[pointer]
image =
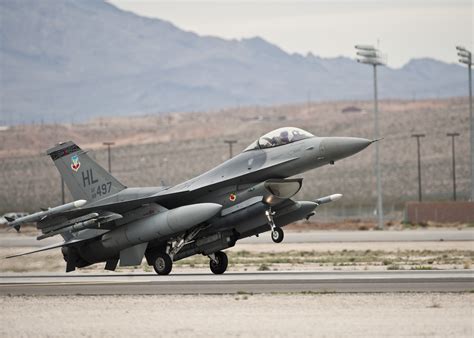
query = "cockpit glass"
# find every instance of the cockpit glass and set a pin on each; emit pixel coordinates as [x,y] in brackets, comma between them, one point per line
[279,137]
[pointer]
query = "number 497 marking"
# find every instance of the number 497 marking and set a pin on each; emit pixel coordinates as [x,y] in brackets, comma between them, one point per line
[104,188]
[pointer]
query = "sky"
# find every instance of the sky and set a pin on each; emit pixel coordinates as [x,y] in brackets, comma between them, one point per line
[402,29]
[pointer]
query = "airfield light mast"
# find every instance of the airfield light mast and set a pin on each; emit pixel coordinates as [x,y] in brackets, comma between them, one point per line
[370,55]
[230,143]
[453,135]
[63,199]
[108,144]
[418,136]
[465,57]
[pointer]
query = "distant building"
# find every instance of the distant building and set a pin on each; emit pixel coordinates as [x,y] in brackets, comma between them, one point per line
[351,109]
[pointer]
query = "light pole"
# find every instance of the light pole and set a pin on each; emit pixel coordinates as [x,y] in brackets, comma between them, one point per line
[418,136]
[230,143]
[108,144]
[371,56]
[62,191]
[453,135]
[465,57]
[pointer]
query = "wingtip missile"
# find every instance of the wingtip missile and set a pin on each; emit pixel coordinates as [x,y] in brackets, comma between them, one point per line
[79,203]
[327,199]
[16,223]
[335,197]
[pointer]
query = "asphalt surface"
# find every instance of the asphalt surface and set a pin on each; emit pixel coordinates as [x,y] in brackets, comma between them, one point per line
[368,236]
[11,241]
[261,282]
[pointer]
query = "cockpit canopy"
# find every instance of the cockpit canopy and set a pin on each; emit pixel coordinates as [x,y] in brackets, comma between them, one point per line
[279,137]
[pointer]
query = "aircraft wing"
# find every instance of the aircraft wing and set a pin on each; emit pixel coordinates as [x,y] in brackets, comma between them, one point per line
[51,221]
[121,207]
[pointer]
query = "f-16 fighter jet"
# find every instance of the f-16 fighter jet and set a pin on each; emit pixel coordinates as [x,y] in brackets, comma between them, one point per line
[244,196]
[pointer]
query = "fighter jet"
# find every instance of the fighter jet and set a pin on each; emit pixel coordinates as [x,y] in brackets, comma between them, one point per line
[249,194]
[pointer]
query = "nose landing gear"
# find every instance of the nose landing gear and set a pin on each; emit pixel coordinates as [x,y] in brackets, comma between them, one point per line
[277,233]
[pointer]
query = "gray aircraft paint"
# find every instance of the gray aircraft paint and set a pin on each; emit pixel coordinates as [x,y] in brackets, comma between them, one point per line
[84,178]
[212,210]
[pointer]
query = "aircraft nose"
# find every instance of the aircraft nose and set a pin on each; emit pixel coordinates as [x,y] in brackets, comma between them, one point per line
[339,147]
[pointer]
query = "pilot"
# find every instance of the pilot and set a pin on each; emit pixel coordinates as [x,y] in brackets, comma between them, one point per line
[284,139]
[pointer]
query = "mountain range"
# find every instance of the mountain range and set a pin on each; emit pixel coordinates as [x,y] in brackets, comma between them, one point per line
[66,60]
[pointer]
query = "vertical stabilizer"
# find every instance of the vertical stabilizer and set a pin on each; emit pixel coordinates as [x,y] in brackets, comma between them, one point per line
[84,178]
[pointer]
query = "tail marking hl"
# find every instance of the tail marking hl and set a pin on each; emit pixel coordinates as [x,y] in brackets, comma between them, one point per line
[83,176]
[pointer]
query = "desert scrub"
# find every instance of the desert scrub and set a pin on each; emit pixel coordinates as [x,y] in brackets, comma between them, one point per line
[263,267]
[341,258]
[422,267]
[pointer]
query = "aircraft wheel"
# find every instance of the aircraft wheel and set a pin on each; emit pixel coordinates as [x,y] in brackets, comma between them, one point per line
[219,265]
[277,235]
[163,264]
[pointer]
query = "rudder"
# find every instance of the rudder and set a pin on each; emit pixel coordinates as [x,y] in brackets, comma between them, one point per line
[84,178]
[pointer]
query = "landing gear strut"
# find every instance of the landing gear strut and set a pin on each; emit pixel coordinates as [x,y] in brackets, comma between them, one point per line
[163,261]
[163,264]
[277,233]
[218,263]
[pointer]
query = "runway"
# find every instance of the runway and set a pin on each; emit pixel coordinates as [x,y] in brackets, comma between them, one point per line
[261,282]
[323,236]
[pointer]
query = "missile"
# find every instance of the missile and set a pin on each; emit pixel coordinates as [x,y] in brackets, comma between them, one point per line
[91,223]
[37,216]
[327,199]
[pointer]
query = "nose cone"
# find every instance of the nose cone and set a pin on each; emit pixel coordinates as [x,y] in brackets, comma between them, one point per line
[336,148]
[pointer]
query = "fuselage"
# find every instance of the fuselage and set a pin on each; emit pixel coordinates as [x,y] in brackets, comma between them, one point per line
[238,182]
[244,196]
[238,187]
[258,165]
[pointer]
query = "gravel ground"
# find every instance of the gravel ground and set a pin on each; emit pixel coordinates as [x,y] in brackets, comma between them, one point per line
[322,315]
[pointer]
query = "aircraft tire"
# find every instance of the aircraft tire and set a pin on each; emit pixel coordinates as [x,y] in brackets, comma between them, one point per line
[220,266]
[278,235]
[163,264]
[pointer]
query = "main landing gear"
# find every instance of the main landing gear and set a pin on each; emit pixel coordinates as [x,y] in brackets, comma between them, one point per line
[277,233]
[163,264]
[218,262]
[163,261]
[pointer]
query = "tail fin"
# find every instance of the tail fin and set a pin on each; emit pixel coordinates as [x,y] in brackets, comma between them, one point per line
[82,175]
